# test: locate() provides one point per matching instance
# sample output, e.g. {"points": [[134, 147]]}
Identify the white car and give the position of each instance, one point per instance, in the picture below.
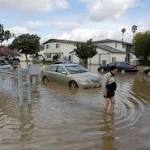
{"points": [[72, 75], [4, 65]]}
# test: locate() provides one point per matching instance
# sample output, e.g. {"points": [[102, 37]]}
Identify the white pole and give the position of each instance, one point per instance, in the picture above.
{"points": [[19, 84], [28, 86]]}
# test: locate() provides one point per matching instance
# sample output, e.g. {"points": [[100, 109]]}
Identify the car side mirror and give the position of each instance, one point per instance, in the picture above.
{"points": [[65, 73]]}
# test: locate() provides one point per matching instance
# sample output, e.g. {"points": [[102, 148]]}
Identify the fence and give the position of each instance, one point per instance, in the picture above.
{"points": [[16, 84]]}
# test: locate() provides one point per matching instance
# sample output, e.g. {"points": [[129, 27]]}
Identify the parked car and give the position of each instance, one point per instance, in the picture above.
{"points": [[121, 66], [4, 65], [72, 75], [13, 61], [147, 70], [16, 61]]}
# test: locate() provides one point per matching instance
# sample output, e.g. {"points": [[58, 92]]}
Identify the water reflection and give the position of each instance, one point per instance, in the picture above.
{"points": [[141, 87], [26, 126], [108, 139], [58, 118]]}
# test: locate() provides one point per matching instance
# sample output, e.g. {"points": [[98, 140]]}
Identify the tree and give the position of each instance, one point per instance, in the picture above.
{"points": [[55, 57], [26, 44], [123, 30], [134, 29], [5, 35], [85, 51], [141, 45]]}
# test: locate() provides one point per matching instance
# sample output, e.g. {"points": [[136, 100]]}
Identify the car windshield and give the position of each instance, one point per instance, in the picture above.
{"points": [[2, 62], [75, 69]]}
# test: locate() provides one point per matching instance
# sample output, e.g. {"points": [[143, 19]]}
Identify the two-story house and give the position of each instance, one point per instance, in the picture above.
{"points": [[107, 51], [123, 46], [61, 48]]}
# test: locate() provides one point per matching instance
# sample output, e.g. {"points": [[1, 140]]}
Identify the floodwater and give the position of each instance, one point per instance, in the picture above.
{"points": [[57, 118]]}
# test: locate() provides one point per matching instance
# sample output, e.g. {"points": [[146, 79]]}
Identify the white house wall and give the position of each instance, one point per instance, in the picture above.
{"points": [[103, 56], [64, 49], [119, 57], [75, 59]]}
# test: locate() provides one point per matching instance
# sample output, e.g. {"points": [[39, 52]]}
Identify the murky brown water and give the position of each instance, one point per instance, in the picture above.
{"points": [[60, 119]]}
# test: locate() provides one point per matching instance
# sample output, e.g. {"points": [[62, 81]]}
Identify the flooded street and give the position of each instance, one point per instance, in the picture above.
{"points": [[58, 118]]}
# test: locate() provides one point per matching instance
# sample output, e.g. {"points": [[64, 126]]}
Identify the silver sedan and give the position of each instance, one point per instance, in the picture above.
{"points": [[73, 75]]}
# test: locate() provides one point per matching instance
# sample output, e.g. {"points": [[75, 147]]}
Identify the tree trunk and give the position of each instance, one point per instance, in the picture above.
{"points": [[84, 62]]}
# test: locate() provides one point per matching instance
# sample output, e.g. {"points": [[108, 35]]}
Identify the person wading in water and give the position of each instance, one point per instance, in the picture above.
{"points": [[108, 88]]}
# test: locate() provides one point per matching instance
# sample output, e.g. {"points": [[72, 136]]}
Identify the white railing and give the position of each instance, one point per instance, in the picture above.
{"points": [[16, 84]]}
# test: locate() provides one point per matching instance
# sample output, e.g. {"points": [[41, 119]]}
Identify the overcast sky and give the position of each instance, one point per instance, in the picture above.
{"points": [[75, 19]]}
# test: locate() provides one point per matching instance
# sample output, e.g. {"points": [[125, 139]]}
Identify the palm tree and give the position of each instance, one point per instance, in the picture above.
{"points": [[7, 35], [123, 30], [134, 29], [1, 34]]}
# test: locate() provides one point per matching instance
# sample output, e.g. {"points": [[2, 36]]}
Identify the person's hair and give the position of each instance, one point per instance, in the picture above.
{"points": [[113, 68]]}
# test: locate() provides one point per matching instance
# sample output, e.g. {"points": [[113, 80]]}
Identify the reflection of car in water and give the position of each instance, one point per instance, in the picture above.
{"points": [[147, 70], [72, 75], [121, 66], [4, 65]]}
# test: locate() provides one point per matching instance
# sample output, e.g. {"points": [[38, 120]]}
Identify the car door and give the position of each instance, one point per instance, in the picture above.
{"points": [[61, 74], [51, 72]]}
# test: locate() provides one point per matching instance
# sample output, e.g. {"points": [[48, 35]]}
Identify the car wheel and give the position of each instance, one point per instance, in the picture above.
{"points": [[73, 84], [45, 78]]}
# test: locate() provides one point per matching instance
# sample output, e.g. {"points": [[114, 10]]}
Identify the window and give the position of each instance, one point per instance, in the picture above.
{"points": [[116, 44], [47, 46], [60, 69], [123, 45], [57, 45], [113, 59], [104, 62], [70, 58], [48, 55], [52, 68]]}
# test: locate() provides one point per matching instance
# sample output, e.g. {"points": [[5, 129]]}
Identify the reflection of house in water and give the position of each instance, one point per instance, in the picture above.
{"points": [[19, 125], [108, 138]]}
